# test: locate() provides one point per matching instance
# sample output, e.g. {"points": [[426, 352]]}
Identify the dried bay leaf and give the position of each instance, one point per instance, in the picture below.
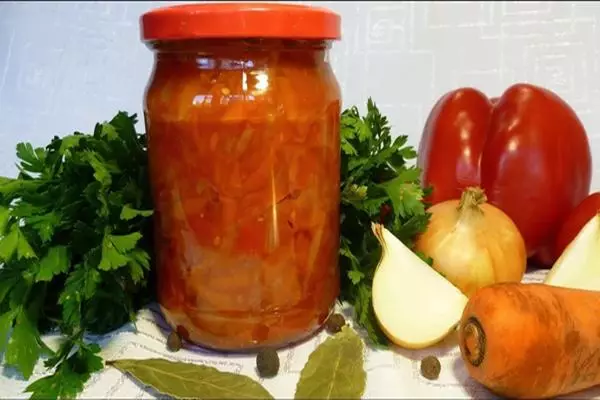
{"points": [[335, 369], [184, 380]]}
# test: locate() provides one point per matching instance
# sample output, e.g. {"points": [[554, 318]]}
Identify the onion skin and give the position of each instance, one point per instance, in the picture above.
{"points": [[473, 243]]}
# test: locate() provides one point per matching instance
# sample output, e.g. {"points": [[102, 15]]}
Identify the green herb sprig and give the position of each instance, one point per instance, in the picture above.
{"points": [[74, 228]]}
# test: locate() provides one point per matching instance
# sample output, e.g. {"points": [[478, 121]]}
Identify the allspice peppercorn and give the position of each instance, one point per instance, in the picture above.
{"points": [[267, 363], [335, 323], [174, 342], [430, 367]]}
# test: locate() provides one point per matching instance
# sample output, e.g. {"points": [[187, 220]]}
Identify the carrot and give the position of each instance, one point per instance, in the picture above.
{"points": [[532, 340]]}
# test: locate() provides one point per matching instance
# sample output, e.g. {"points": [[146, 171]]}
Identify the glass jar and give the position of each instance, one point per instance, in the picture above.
{"points": [[242, 115]]}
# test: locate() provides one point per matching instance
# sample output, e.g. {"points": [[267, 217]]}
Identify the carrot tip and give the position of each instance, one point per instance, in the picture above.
{"points": [[473, 342]]}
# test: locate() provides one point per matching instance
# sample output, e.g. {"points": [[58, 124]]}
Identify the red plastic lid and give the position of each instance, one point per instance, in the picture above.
{"points": [[240, 20]]}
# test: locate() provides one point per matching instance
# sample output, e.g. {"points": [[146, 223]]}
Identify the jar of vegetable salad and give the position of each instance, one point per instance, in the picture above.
{"points": [[242, 114]]}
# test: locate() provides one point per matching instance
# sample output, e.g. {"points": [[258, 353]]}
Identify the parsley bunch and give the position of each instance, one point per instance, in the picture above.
{"points": [[377, 184], [74, 244]]}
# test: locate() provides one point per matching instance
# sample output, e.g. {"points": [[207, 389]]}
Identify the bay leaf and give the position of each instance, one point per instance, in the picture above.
{"points": [[335, 369], [185, 380]]}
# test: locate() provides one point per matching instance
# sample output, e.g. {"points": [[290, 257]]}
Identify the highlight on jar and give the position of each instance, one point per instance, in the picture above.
{"points": [[243, 122]]}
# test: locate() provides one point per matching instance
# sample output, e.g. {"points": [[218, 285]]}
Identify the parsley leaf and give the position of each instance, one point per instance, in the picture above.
{"points": [[8, 244], [75, 234], [70, 376], [377, 184], [115, 250], [55, 262], [23, 349], [32, 160], [128, 213], [6, 321]]}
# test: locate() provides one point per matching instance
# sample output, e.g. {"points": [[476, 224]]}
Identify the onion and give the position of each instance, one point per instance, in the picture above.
{"points": [[473, 243]]}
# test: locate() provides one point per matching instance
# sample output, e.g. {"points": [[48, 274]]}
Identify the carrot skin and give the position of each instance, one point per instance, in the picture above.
{"points": [[532, 340]]}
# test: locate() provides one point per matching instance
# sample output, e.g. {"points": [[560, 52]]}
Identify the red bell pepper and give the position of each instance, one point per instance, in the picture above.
{"points": [[575, 221], [527, 149]]}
